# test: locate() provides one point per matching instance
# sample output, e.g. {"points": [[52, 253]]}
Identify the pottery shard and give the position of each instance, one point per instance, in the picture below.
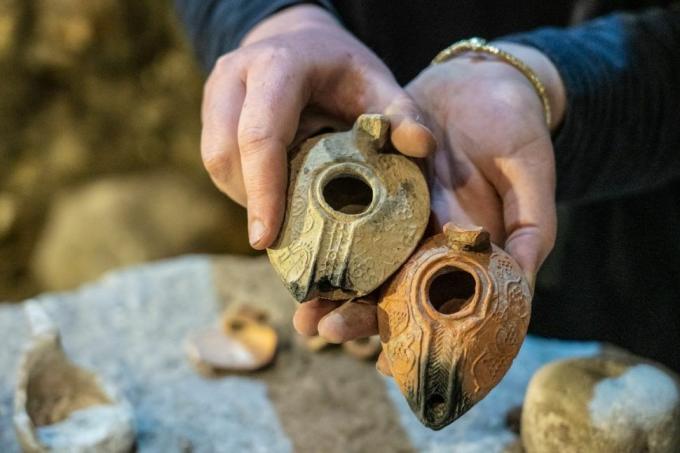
{"points": [[59, 406], [243, 342], [451, 322], [355, 211], [364, 348], [605, 405]]}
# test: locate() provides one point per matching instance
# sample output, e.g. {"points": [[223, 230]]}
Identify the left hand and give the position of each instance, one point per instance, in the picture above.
{"points": [[494, 167]]}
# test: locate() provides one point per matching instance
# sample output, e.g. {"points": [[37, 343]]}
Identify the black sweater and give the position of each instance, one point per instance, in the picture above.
{"points": [[615, 273]]}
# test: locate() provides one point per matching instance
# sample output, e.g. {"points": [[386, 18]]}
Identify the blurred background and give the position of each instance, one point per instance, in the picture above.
{"points": [[99, 144]]}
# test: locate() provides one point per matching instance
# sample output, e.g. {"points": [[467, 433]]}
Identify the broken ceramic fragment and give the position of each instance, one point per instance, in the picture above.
{"points": [[59, 406], [363, 348], [243, 342], [315, 343], [451, 321], [355, 212]]}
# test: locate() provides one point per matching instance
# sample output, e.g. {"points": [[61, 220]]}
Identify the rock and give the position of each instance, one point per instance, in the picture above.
{"points": [[603, 404], [8, 213], [66, 32], [364, 348], [89, 88], [64, 29], [121, 221], [67, 154], [9, 19], [314, 343]]}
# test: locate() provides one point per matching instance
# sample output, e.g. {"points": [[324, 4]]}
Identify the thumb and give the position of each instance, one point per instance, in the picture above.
{"points": [[525, 245], [409, 133], [528, 195]]}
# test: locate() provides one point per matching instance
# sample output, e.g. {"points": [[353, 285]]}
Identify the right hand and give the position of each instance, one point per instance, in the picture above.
{"points": [[296, 60]]}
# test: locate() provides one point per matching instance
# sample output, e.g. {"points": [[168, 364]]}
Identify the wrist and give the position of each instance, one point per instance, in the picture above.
{"points": [[290, 19], [546, 72]]}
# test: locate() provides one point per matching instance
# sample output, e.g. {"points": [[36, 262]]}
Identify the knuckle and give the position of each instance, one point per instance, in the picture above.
{"points": [[258, 192], [263, 188], [225, 63], [254, 140], [218, 164], [209, 87], [274, 55]]}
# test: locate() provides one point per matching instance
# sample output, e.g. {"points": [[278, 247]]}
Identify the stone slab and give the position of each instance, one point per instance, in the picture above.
{"points": [[130, 327]]}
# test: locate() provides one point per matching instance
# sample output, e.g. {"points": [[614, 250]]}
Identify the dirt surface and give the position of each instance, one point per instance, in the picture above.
{"points": [[90, 88], [318, 414]]}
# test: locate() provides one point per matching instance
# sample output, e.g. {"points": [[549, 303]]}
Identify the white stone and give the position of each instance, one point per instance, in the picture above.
{"points": [[642, 398]]}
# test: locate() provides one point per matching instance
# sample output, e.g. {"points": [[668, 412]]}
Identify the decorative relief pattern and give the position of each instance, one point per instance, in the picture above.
{"points": [[403, 369], [466, 353], [399, 320], [502, 266], [486, 370], [296, 260], [333, 252]]}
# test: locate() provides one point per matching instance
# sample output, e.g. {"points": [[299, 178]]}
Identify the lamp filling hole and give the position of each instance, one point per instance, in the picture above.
{"points": [[348, 194], [452, 290]]}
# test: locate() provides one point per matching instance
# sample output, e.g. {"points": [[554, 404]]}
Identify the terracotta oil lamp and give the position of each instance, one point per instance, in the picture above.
{"points": [[355, 212], [451, 321]]}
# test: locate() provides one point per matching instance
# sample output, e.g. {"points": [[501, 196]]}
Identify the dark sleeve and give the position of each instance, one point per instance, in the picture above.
{"points": [[216, 27], [621, 132]]}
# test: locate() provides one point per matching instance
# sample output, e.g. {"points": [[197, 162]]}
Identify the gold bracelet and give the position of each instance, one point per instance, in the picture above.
{"points": [[480, 45]]}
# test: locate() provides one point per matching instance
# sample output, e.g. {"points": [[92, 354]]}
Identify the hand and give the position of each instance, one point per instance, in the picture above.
{"points": [[494, 167], [296, 61]]}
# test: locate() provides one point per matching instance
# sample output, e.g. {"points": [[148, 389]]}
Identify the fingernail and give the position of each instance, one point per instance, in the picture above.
{"points": [[431, 144], [428, 142], [256, 231], [332, 326]]}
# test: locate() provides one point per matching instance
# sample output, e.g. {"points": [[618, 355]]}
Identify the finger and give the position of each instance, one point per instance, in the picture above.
{"points": [[409, 133], [308, 315], [527, 188], [352, 320], [222, 100], [460, 193], [271, 111], [383, 365], [376, 91]]}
